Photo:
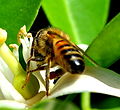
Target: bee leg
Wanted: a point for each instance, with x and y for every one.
(37, 59)
(28, 67)
(57, 73)
(28, 74)
(37, 69)
(30, 71)
(47, 74)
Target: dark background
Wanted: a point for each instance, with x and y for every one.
(96, 99)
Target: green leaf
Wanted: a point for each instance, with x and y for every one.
(118, 108)
(21, 59)
(55, 105)
(81, 19)
(105, 48)
(110, 102)
(5, 108)
(14, 14)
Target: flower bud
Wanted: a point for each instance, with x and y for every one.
(3, 36)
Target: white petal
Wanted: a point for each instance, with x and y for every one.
(8, 91)
(26, 52)
(83, 46)
(94, 79)
(5, 70)
(1, 95)
(12, 104)
(26, 47)
(15, 50)
(31, 40)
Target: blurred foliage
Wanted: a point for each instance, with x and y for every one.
(105, 48)
(55, 105)
(81, 19)
(14, 14)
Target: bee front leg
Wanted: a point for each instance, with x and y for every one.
(28, 66)
(30, 71)
(47, 74)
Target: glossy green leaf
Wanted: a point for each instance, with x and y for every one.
(21, 59)
(55, 105)
(110, 102)
(105, 49)
(81, 19)
(14, 14)
(118, 108)
(6, 108)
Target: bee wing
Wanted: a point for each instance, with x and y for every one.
(88, 57)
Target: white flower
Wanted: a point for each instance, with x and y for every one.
(93, 79)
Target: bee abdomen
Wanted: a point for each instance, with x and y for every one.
(76, 66)
(73, 60)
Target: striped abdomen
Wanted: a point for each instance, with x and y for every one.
(68, 57)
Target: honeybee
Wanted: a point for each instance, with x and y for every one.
(51, 47)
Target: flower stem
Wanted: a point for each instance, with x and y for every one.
(85, 101)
